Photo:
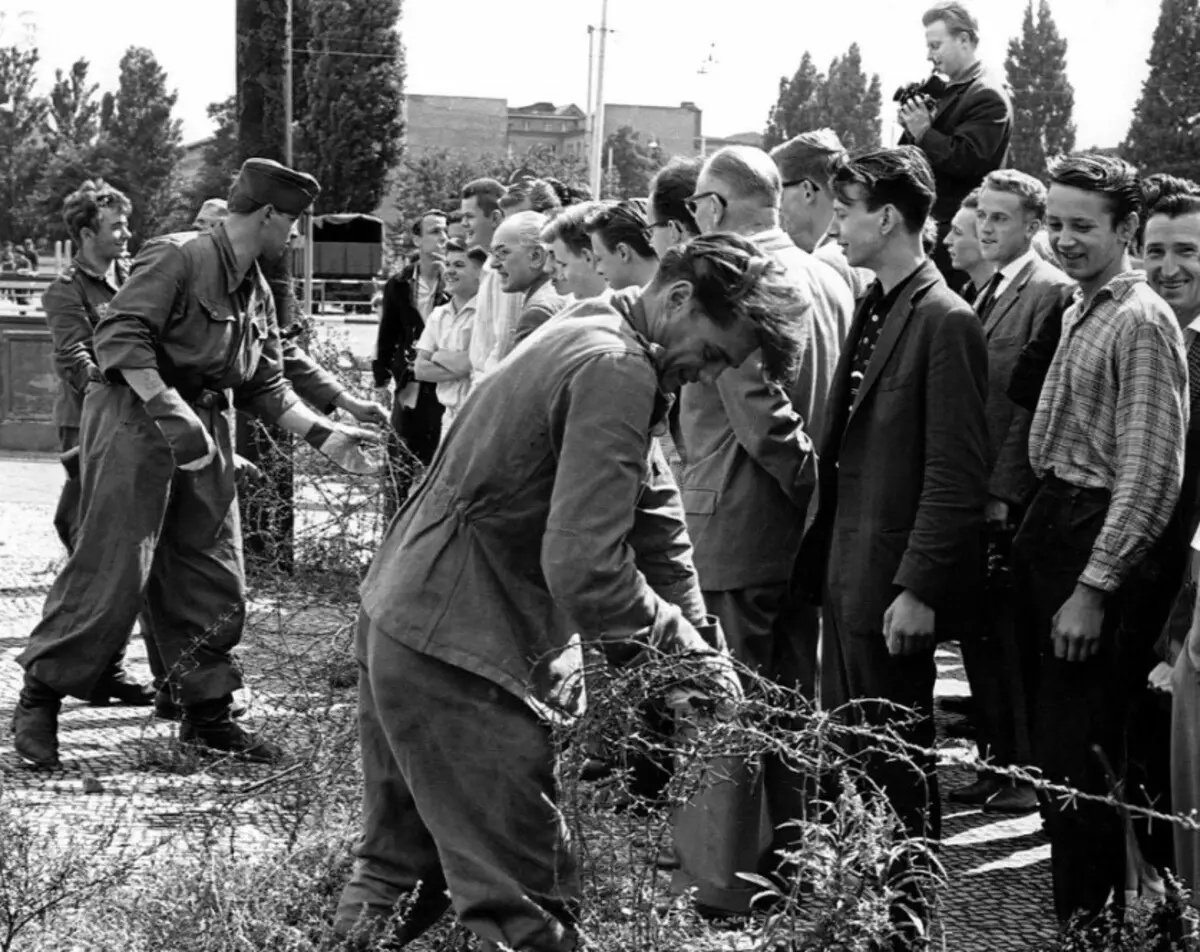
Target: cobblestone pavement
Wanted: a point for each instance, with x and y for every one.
(999, 898)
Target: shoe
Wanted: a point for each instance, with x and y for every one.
(976, 794)
(209, 728)
(167, 710)
(120, 686)
(1013, 799)
(35, 726)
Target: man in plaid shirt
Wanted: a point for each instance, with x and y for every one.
(1107, 442)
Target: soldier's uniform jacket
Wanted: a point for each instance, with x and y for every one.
(190, 313)
(74, 305)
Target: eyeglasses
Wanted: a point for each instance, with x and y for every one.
(693, 203)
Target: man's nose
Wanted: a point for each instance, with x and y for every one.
(1170, 266)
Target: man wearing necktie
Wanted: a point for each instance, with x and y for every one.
(1012, 307)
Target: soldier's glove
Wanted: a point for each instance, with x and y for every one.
(354, 449)
(191, 444)
(707, 680)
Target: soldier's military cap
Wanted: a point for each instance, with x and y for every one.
(211, 212)
(269, 183)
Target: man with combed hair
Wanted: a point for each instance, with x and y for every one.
(529, 195)
(965, 134)
(1023, 293)
(497, 311)
(570, 245)
(519, 258)
(1107, 444)
(671, 221)
(806, 164)
(620, 245)
(747, 481)
(896, 548)
(549, 512)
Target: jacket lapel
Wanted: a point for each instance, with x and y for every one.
(1008, 298)
(894, 323)
(839, 392)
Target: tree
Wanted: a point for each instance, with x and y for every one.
(260, 73)
(353, 125)
(795, 110)
(22, 146)
(74, 115)
(1164, 135)
(850, 104)
(220, 164)
(142, 142)
(634, 162)
(845, 101)
(1042, 96)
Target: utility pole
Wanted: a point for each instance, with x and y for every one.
(591, 75)
(287, 87)
(598, 116)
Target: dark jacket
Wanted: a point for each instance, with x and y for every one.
(400, 327)
(972, 126)
(1038, 293)
(903, 474)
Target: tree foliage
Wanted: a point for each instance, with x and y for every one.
(845, 100)
(633, 162)
(353, 125)
(220, 163)
(22, 142)
(1165, 133)
(74, 114)
(261, 32)
(1043, 98)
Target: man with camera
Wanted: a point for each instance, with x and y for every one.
(962, 125)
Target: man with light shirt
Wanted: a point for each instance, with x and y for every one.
(443, 355)
(497, 311)
(1013, 304)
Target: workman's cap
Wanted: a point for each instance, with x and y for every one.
(211, 212)
(269, 183)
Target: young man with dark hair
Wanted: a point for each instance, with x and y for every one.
(520, 258)
(408, 299)
(549, 511)
(443, 351)
(806, 164)
(965, 133)
(571, 256)
(1013, 305)
(622, 250)
(895, 550)
(1107, 443)
(671, 222)
(962, 242)
(192, 330)
(497, 311)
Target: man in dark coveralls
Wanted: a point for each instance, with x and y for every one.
(549, 510)
(192, 332)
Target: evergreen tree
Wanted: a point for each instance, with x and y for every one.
(1042, 96)
(143, 142)
(261, 32)
(850, 104)
(796, 109)
(353, 126)
(74, 116)
(1165, 133)
(22, 146)
(220, 157)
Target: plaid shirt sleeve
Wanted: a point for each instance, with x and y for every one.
(1151, 423)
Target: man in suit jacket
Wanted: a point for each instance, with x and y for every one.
(895, 548)
(1023, 293)
(965, 134)
(408, 298)
(748, 477)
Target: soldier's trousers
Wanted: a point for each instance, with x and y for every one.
(150, 538)
(458, 797)
(66, 524)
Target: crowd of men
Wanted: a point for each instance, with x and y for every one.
(890, 434)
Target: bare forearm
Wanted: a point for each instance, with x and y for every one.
(431, 372)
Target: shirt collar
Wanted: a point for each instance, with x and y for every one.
(233, 276)
(969, 76)
(1118, 286)
(1016, 266)
(885, 302)
(108, 276)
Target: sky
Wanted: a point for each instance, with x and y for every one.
(654, 56)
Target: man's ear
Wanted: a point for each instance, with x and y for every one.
(496, 217)
(1127, 229)
(679, 294)
(624, 252)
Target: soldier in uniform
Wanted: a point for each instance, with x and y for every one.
(192, 333)
(97, 218)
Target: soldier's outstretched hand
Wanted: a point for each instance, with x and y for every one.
(355, 450)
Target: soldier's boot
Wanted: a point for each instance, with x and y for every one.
(209, 728)
(35, 724)
(118, 684)
(167, 709)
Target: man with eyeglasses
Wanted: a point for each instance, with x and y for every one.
(807, 163)
(747, 485)
(671, 221)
